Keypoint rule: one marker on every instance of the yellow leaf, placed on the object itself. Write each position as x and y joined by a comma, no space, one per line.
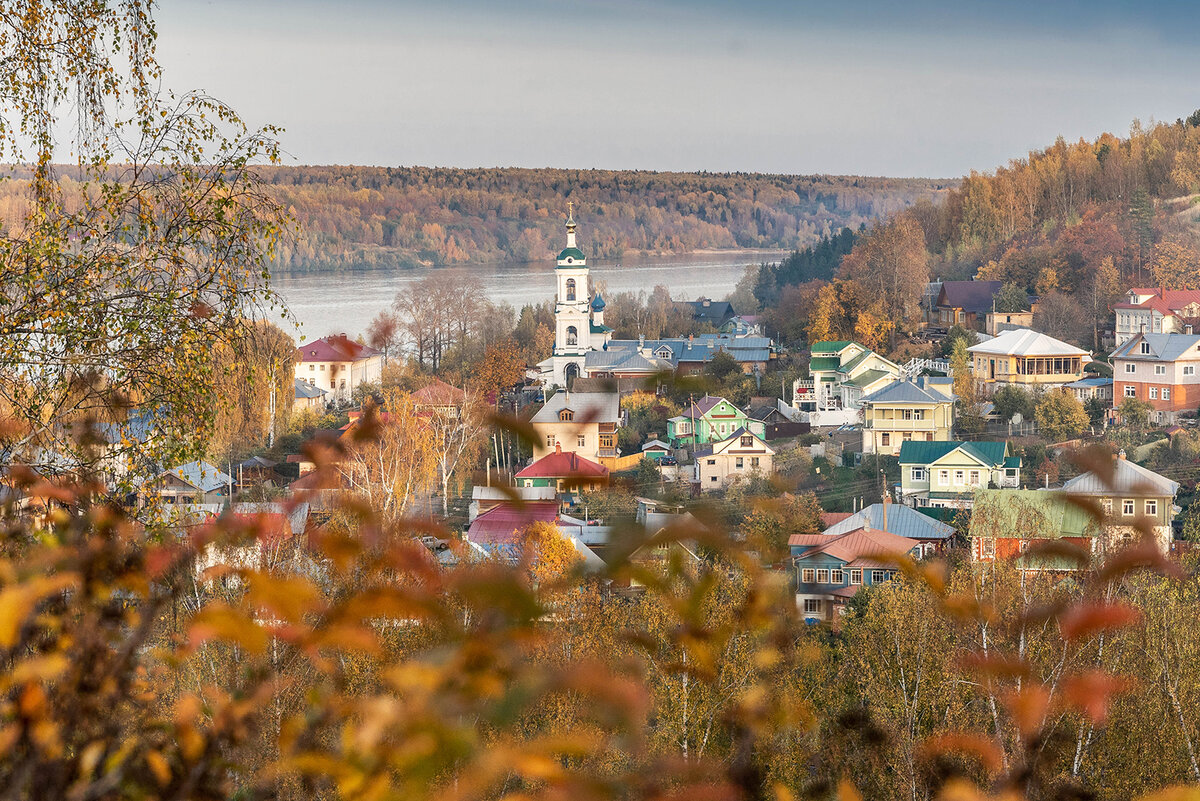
159,767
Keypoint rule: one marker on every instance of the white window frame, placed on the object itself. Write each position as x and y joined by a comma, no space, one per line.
974,476
856,576
1166,393
822,575
960,478
1128,507
943,478
1153,393
987,548
1189,369
879,576
1160,369
837,576
1130,367
1106,505
812,606
808,575
920,474
1151,506
1130,391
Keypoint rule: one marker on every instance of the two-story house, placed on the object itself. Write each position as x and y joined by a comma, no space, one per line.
965,303
741,454
708,420
1155,311
934,536
920,410
1026,358
831,569
1004,523
1160,369
841,374
338,364
948,474
578,422
568,473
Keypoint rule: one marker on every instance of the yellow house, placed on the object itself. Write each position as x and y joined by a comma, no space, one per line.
585,423
921,410
1024,357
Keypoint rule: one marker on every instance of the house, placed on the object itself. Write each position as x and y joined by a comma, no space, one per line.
308,396
830,570
498,532
655,450
196,483
338,364
1005,522
743,325
933,535
439,398
742,453
644,358
1160,369
999,322
965,303
948,474
841,374
567,472
578,422
1092,387
903,411
488,497
705,310
708,420
1026,358
1156,311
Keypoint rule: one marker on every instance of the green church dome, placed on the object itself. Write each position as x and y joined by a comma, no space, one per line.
575,254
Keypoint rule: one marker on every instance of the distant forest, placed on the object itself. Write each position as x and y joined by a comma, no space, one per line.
366,217
353,217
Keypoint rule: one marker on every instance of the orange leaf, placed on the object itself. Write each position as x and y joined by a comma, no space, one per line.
1087,619
974,745
1091,692
1028,706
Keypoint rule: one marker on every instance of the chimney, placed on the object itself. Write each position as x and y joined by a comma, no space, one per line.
641,340
557,446
1121,453
1187,329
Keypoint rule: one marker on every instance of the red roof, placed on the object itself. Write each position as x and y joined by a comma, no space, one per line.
1165,302
563,465
439,393
335,348
271,527
501,523
863,547
830,519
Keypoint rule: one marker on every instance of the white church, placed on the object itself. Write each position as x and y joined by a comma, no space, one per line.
578,316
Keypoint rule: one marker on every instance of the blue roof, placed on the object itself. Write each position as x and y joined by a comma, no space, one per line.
598,302
307,390
201,475
1091,382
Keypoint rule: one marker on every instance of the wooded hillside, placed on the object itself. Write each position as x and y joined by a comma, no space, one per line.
384,216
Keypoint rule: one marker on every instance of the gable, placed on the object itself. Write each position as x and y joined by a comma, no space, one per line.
958,457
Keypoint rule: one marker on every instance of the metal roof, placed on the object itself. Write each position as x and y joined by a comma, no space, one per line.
902,521
901,391
201,475
1163,347
915,452
589,407
1128,478
1026,342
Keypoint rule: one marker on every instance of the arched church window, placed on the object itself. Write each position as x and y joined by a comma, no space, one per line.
570,289
572,335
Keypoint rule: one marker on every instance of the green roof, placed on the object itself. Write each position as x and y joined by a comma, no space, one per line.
916,452
600,329
1013,462
571,253
824,363
857,360
867,378
830,346
1028,514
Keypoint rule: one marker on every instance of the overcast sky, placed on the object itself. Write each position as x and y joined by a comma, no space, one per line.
920,87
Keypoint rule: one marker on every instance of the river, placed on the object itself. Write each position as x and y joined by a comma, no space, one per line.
325,303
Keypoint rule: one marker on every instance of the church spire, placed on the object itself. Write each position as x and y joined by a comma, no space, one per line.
570,224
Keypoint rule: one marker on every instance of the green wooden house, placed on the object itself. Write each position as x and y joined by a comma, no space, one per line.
948,474
710,419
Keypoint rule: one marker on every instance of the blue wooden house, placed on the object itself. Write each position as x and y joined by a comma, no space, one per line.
830,569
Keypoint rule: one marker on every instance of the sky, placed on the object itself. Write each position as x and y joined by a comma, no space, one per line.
930,88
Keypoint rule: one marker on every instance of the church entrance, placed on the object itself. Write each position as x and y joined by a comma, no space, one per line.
571,372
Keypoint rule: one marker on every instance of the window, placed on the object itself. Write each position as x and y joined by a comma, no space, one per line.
712,461
753,461
606,441
1160,369
1146,345
959,478
1130,391
1127,507
1189,369
1130,367
943,478
919,474
974,478
322,368
747,442
572,335
549,440
885,439
1151,508
807,575
1166,393
837,577
856,575
713,479
581,441
918,414
1106,505
878,576
812,606
987,548
1153,393
312,368
566,415
822,576
738,463
570,289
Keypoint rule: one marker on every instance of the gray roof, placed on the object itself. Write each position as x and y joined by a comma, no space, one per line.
901,521
1128,479
621,360
1026,342
201,475
297,514
1085,383
595,407
307,390
1163,347
901,391
700,348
